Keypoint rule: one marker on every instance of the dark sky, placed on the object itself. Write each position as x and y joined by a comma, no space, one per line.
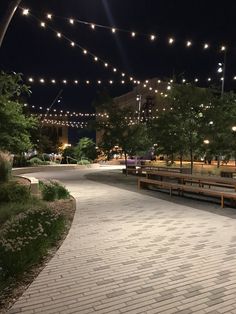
30,50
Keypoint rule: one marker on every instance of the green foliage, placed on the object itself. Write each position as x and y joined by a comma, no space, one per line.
13,192
15,126
61,191
35,161
53,190
117,130
85,162
26,238
11,209
5,167
69,155
20,161
85,149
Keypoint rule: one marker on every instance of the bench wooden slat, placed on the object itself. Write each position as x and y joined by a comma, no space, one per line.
187,188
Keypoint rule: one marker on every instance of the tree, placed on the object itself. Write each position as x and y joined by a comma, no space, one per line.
120,127
15,126
85,149
220,117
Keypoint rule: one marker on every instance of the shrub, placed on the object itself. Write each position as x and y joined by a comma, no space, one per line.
35,161
84,162
5,166
13,192
62,192
20,161
49,192
53,190
11,209
26,238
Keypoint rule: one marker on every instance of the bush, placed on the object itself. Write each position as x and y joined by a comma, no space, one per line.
49,192
62,192
35,161
11,209
84,162
13,192
26,238
5,166
53,190
20,161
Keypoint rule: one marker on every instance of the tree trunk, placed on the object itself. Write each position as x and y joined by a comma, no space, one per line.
218,161
191,158
181,160
126,165
6,17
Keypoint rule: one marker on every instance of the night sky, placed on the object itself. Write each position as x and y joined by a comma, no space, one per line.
37,52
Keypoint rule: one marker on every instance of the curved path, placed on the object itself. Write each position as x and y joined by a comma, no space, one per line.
131,252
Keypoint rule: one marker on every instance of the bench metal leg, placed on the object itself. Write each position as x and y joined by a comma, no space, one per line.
222,201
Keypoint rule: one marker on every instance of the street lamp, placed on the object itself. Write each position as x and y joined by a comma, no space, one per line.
139,99
234,131
221,69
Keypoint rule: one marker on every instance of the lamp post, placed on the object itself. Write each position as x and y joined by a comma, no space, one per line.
222,69
234,132
139,99
7,16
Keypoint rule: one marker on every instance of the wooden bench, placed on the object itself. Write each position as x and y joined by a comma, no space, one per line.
200,180
186,188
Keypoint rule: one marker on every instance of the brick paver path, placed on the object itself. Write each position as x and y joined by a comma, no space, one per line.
128,252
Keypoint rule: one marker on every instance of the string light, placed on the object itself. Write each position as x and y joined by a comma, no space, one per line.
93,26
25,12
152,37
42,24
72,43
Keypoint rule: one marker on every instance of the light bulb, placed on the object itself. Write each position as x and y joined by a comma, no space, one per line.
92,26
85,51
72,44
42,24
223,48
25,11
42,80
206,46
31,79
53,81
95,58
171,41
189,43
49,16
114,70
76,82
64,81
152,37
106,65
71,21
196,80
59,35
113,30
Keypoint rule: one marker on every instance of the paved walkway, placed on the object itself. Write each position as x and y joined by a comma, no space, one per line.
130,252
